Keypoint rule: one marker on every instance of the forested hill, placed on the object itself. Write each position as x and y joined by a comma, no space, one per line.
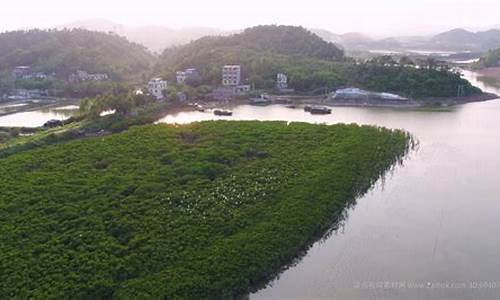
490,59
258,50
64,51
287,40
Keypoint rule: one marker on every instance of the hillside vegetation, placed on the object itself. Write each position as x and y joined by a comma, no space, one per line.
489,60
202,211
262,51
311,64
64,51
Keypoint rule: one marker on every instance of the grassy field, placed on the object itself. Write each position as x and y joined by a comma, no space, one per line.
206,210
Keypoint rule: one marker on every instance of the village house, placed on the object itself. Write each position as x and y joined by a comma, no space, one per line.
231,75
281,81
21,71
231,84
187,76
25,72
80,75
21,94
156,86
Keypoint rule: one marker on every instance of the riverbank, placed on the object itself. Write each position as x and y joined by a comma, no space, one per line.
386,103
9,107
459,100
81,127
490,76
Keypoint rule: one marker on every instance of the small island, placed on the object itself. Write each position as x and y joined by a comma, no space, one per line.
207,210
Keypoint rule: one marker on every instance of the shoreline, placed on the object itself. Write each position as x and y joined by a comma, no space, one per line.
490,75
463,100
321,100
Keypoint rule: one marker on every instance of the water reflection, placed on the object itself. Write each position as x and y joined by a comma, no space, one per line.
35,118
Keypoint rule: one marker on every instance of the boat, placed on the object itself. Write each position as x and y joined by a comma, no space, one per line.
259,101
320,110
317,110
262,100
221,112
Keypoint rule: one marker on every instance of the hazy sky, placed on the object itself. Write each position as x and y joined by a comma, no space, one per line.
380,17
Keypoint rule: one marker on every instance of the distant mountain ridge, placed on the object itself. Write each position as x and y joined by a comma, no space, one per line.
454,40
154,37
159,38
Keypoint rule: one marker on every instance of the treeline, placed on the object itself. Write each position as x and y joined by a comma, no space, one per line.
490,59
64,51
261,50
312,64
265,51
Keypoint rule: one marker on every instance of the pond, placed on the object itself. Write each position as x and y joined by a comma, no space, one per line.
427,231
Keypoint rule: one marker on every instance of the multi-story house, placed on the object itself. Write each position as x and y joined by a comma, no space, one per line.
231,75
281,81
156,86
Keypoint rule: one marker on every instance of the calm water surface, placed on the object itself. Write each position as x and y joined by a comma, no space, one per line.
38,117
429,232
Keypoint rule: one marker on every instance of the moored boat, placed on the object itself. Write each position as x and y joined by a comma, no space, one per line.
320,110
262,100
317,110
221,112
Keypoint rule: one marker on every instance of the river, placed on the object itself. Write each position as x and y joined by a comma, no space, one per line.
36,118
428,231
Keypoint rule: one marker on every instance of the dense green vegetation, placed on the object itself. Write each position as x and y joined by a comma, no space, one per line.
63,52
311,64
7,133
420,83
198,211
262,51
490,59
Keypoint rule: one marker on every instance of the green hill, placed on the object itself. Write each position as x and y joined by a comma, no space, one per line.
201,211
312,65
261,50
490,59
64,51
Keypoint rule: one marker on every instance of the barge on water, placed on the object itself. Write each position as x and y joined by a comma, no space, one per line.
221,112
317,110
263,100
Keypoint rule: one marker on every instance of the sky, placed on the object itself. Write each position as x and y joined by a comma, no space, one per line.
374,17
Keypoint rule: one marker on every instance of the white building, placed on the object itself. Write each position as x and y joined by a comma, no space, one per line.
187,75
281,81
231,75
156,86
80,75
21,71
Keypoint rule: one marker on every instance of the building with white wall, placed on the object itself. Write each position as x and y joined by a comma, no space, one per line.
231,75
156,86
281,81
